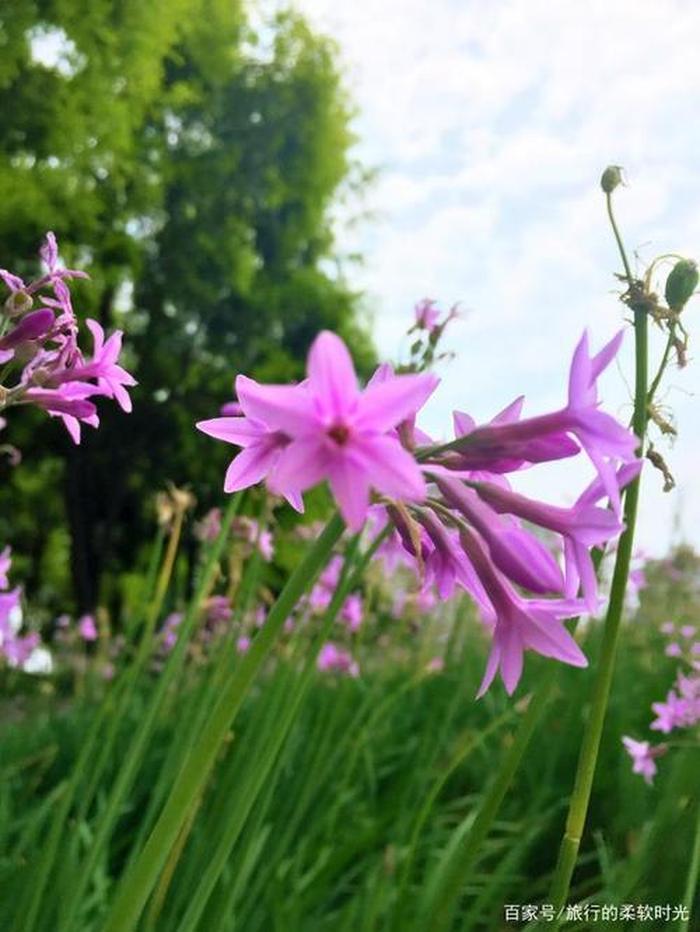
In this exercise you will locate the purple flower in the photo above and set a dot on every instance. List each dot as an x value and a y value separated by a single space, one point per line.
520 624
517 553
32 326
509 443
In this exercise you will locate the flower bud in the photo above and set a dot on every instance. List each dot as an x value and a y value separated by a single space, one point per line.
18 303
32 327
611 178
681 283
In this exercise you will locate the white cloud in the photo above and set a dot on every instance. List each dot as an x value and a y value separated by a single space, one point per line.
492 123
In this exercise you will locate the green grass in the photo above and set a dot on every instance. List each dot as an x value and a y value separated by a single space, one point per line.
337 803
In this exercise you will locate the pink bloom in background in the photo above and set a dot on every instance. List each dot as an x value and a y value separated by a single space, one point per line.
243 644
217 611
352 612
169 630
24 651
333 659
435 665
5 564
426 601
326 428
427 315
87 628
261 537
642 755
209 528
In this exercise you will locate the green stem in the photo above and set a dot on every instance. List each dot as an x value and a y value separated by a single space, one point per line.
470 847
663 364
692 879
588 755
139 880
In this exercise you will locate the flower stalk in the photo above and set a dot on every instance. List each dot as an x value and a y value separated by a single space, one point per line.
588 756
140 879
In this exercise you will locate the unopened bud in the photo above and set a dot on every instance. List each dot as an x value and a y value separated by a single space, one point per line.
611 178
18 303
681 283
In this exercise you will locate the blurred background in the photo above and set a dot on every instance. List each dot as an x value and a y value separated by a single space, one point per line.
188 159
236 176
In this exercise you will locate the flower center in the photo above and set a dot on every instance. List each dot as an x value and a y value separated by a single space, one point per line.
339 433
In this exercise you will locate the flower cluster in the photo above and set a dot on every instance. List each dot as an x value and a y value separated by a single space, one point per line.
681 708
39 349
450 506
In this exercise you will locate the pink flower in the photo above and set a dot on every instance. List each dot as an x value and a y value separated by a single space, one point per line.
5 564
55 375
352 612
112 379
87 628
520 624
507 444
217 610
643 755
333 659
427 315
169 630
326 428
243 644
209 528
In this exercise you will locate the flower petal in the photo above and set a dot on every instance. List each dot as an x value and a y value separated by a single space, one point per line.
331 372
385 404
288 408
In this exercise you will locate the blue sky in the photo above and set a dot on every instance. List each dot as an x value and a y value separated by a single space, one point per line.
490 123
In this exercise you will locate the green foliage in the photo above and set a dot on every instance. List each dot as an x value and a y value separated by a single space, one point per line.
190 166
340 803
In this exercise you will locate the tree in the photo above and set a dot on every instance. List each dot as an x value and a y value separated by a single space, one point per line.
190 165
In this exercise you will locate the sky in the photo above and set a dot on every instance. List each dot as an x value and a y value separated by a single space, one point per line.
490 124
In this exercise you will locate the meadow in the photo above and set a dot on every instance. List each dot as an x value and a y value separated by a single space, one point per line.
343 802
